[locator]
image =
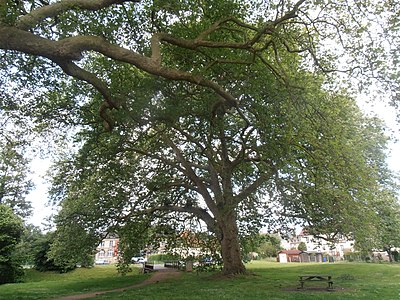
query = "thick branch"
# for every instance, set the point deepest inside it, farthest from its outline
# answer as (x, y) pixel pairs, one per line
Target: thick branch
(214, 181)
(50, 11)
(254, 186)
(72, 48)
(193, 177)
(109, 103)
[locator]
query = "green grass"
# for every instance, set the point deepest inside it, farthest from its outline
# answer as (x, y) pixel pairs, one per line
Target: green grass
(48, 285)
(270, 281)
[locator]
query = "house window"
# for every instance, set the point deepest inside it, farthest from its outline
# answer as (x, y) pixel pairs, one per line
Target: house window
(341, 247)
(102, 243)
(110, 253)
(111, 243)
(101, 253)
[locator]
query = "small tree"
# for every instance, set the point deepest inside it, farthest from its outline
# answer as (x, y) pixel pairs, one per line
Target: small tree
(29, 245)
(11, 230)
(270, 246)
(302, 246)
(44, 262)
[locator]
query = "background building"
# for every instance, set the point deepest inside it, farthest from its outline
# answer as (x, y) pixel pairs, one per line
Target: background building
(107, 251)
(314, 244)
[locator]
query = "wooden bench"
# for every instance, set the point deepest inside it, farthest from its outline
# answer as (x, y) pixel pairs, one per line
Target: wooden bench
(175, 264)
(309, 278)
(148, 267)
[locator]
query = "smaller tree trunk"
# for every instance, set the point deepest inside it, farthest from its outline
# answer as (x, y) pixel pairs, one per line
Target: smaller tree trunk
(390, 254)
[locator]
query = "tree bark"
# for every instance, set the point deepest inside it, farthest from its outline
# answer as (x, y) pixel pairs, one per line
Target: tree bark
(230, 246)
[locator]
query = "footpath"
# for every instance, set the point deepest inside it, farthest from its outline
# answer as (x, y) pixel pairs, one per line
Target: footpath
(158, 276)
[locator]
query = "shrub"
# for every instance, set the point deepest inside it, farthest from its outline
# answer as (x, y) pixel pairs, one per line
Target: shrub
(44, 263)
(163, 257)
(11, 230)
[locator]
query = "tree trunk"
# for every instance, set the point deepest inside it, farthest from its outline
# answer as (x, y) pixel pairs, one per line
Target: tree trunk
(389, 252)
(230, 246)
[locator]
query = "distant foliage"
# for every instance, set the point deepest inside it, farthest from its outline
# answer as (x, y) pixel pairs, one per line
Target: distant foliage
(163, 257)
(29, 245)
(11, 230)
(45, 263)
(302, 246)
(270, 246)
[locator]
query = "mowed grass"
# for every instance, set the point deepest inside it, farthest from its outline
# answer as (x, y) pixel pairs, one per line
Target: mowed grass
(50, 285)
(279, 281)
(270, 281)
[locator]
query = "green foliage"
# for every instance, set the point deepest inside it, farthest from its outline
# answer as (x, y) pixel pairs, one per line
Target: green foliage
(302, 246)
(44, 262)
(123, 268)
(272, 281)
(224, 117)
(270, 246)
(11, 230)
(49, 285)
(385, 233)
(29, 245)
(396, 255)
(163, 257)
(14, 184)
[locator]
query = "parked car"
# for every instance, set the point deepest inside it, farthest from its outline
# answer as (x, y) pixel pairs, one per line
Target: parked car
(102, 262)
(138, 260)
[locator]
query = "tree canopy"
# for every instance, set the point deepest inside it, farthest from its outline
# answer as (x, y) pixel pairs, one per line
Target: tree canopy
(224, 115)
(14, 168)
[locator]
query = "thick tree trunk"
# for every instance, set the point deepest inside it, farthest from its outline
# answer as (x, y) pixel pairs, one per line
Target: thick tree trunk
(230, 246)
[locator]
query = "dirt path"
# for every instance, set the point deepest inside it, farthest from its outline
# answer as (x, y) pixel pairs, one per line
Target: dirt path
(158, 276)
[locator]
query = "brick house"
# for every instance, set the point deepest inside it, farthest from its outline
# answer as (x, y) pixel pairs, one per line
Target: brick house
(107, 251)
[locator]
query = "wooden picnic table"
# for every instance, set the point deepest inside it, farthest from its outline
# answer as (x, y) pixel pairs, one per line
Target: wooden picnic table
(316, 277)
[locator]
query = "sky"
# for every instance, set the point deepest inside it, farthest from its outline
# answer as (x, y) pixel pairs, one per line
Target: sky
(39, 195)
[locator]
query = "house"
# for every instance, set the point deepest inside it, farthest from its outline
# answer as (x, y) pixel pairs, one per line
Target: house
(285, 256)
(317, 245)
(107, 251)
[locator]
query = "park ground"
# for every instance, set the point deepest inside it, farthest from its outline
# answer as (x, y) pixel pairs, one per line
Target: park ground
(269, 280)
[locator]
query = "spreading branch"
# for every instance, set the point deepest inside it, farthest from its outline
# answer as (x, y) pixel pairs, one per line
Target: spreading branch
(33, 19)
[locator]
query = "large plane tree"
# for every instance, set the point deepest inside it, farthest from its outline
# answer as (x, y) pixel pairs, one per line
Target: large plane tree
(221, 111)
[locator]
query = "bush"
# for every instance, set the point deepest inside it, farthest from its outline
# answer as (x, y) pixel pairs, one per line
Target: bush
(396, 256)
(302, 247)
(11, 230)
(42, 261)
(163, 257)
(10, 272)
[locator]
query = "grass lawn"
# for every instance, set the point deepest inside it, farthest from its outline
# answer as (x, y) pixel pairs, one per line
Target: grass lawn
(271, 281)
(48, 285)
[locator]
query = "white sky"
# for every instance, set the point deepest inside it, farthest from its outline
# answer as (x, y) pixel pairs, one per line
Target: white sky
(38, 196)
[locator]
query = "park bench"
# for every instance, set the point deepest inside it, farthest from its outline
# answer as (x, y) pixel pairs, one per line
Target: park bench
(308, 278)
(148, 267)
(175, 264)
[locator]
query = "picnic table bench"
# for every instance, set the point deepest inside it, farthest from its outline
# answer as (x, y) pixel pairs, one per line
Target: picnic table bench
(308, 278)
